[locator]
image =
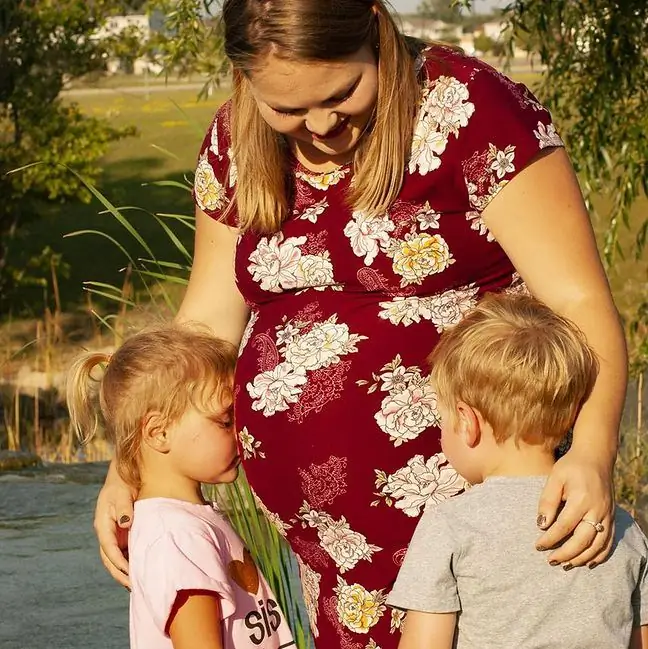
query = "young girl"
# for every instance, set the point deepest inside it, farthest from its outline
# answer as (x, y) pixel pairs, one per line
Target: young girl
(165, 400)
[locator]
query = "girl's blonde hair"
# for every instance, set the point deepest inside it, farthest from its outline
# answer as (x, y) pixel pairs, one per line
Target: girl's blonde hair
(317, 30)
(526, 369)
(166, 370)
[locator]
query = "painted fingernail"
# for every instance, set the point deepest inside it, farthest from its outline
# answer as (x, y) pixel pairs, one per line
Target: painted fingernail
(124, 519)
(592, 565)
(567, 566)
(553, 562)
(541, 521)
(540, 548)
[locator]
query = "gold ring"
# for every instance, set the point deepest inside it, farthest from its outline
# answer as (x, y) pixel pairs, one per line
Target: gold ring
(599, 527)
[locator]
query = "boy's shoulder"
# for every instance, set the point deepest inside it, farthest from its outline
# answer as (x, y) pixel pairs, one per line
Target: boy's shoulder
(628, 533)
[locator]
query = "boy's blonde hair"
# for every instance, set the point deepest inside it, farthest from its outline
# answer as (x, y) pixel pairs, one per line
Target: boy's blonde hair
(166, 370)
(526, 369)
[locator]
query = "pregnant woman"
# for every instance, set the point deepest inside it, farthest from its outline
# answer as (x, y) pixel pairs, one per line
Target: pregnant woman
(354, 198)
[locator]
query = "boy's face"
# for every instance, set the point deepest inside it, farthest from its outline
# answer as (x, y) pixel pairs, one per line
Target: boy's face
(203, 445)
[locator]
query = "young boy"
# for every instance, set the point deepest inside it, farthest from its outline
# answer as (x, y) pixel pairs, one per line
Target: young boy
(510, 379)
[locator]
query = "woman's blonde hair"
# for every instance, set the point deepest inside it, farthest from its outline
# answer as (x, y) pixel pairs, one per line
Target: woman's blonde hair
(166, 370)
(317, 30)
(526, 369)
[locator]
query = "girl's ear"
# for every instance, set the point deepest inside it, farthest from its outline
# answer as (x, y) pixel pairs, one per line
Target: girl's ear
(154, 432)
(468, 424)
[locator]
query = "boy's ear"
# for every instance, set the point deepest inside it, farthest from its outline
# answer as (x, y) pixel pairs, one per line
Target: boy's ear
(468, 424)
(154, 432)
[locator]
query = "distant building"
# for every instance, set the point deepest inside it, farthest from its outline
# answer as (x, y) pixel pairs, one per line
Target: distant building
(116, 25)
(493, 29)
(431, 30)
(139, 25)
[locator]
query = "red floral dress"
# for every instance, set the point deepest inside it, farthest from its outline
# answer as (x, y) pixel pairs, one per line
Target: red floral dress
(336, 421)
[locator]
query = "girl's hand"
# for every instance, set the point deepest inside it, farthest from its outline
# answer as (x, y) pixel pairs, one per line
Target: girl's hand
(585, 484)
(113, 517)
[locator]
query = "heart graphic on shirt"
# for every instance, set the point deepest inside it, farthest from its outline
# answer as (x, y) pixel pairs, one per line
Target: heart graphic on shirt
(244, 573)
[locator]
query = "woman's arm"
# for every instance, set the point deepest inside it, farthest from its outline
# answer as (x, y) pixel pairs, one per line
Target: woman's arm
(541, 222)
(428, 631)
(196, 622)
(213, 299)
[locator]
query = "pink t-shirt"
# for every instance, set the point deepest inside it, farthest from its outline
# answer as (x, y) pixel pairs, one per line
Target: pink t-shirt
(174, 546)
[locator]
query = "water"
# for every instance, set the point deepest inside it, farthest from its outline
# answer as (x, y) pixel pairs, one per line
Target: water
(54, 591)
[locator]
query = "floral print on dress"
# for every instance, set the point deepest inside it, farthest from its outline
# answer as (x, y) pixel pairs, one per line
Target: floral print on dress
(418, 484)
(409, 408)
(548, 136)
(305, 347)
(208, 190)
(313, 212)
(250, 446)
(517, 286)
(443, 310)
(444, 110)
(368, 234)
(359, 609)
(279, 264)
(485, 174)
(418, 256)
(247, 332)
(324, 180)
(337, 539)
(397, 620)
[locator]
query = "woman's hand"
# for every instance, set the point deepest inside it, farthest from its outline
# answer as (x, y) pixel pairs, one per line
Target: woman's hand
(113, 517)
(585, 484)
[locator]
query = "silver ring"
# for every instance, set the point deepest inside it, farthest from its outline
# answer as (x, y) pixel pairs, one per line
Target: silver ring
(599, 527)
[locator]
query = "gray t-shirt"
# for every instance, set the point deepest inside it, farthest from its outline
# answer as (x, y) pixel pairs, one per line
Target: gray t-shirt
(475, 554)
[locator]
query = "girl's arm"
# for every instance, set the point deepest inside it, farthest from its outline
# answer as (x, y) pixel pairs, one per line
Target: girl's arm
(212, 299)
(428, 631)
(196, 622)
(541, 222)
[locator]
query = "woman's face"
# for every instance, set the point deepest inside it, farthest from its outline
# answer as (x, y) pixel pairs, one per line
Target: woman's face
(322, 107)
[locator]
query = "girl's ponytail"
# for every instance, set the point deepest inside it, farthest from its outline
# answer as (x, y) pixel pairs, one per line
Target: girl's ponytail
(82, 391)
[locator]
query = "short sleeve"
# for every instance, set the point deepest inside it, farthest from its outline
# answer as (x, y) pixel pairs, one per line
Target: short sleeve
(183, 561)
(507, 129)
(426, 581)
(216, 171)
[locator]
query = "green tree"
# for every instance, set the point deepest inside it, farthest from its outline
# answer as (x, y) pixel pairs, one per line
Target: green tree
(439, 10)
(191, 40)
(43, 44)
(483, 44)
(596, 86)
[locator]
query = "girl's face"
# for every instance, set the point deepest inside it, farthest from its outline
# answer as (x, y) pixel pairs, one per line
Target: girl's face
(203, 446)
(322, 107)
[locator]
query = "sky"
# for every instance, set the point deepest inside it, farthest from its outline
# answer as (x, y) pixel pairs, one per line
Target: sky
(483, 6)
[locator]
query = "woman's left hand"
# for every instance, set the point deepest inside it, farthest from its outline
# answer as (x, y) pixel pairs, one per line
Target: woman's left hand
(585, 486)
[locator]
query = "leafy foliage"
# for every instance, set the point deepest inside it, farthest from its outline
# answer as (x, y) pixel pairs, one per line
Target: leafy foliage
(43, 44)
(439, 10)
(191, 40)
(596, 85)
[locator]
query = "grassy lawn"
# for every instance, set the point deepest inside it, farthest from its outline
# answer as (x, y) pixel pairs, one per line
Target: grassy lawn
(172, 124)
(171, 127)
